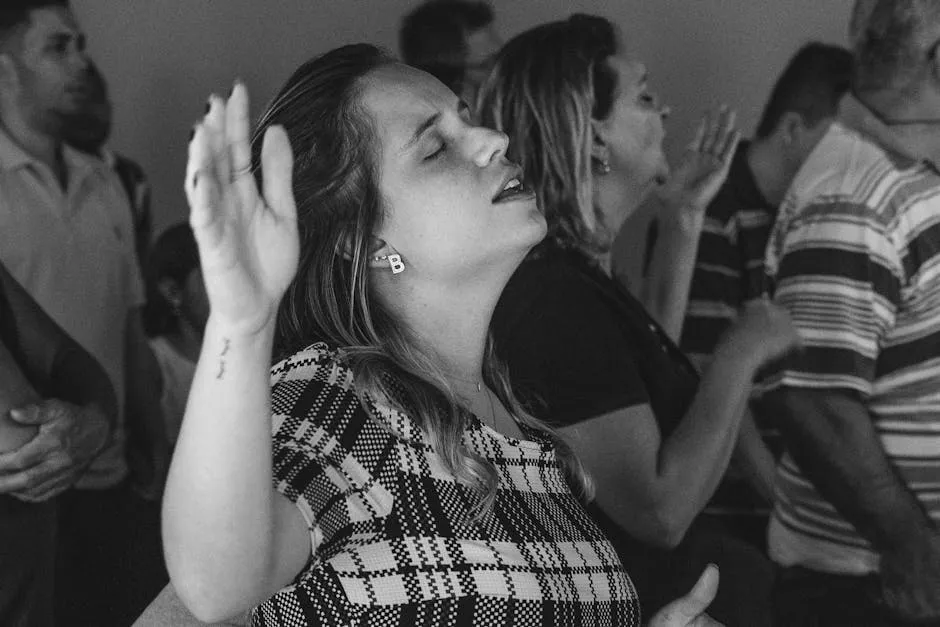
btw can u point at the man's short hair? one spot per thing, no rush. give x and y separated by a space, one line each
433 37
15 13
811 85
892 41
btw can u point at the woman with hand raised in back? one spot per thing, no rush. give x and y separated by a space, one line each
655 439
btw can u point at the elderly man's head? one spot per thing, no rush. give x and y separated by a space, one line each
895 44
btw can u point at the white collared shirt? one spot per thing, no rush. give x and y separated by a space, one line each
73 251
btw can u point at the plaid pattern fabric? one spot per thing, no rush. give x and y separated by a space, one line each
855 259
392 540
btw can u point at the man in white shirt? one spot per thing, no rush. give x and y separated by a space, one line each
66 236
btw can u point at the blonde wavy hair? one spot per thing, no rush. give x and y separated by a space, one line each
339 207
544 89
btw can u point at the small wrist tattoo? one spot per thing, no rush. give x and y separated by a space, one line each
226 344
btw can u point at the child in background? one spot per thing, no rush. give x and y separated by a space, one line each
175 317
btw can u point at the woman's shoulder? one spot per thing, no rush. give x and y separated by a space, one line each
561 286
318 361
316 384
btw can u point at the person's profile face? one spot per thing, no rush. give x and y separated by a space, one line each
451 207
633 130
51 63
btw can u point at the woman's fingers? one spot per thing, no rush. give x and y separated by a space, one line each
713 130
726 134
699 139
198 171
277 166
202 190
218 140
731 146
238 131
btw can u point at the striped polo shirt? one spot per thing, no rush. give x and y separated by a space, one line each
855 258
729 271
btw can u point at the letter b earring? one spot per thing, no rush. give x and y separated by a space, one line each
394 262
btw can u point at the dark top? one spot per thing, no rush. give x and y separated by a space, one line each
578 345
581 343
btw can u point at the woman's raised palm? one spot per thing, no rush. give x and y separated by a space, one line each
248 242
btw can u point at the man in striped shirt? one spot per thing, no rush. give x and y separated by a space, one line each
855 258
729 268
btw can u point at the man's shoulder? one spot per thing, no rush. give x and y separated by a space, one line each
849 167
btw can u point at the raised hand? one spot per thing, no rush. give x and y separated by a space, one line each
763 331
689 611
248 243
702 170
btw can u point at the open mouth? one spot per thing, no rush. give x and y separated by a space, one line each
514 189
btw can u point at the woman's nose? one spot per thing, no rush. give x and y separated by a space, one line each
490 145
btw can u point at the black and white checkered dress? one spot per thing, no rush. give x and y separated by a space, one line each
393 543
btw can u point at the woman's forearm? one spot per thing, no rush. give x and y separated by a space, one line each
218 512
694 458
665 291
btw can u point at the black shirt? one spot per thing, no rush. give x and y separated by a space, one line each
578 345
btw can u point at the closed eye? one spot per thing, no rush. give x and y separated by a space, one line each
437 153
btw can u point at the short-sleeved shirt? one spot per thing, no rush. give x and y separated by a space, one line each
137 188
393 541
855 259
729 271
73 251
578 345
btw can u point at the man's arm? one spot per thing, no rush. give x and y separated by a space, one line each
75 421
754 459
831 437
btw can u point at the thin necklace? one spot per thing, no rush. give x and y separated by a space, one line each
489 396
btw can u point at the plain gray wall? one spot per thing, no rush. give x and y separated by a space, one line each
163 57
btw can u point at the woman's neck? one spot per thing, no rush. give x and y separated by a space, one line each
451 322
617 197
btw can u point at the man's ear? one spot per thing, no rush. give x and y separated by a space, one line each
791 127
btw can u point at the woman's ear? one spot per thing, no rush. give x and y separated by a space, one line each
381 254
600 153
